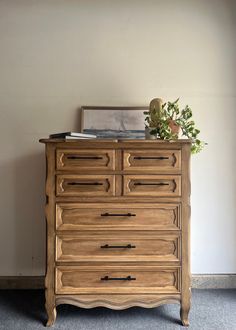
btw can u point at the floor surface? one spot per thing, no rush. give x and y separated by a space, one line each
211 310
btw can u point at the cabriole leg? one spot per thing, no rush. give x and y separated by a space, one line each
52 314
184 311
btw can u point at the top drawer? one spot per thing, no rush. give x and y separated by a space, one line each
152 160
98 159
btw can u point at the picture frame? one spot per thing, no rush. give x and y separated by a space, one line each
113 121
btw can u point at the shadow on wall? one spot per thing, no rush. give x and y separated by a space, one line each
30 225
22 204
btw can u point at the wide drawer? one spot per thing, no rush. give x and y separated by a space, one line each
75 159
125 246
81 216
85 185
152 185
152 160
117 279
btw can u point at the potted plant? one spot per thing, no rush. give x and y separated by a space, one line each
153 118
166 121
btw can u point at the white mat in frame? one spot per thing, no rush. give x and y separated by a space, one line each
113 122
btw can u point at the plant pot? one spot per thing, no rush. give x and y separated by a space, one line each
175 128
149 136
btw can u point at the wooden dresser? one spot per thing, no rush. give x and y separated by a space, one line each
118 219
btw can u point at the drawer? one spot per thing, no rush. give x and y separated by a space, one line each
72 159
82 216
152 185
152 160
85 185
116 279
118 247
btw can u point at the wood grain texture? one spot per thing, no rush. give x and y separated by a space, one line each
118 247
186 276
119 199
107 216
118 301
85 185
152 185
50 303
134 199
118 143
163 161
94 160
89 280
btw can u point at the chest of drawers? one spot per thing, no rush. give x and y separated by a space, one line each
118 219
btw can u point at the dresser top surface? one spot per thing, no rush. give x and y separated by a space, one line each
115 142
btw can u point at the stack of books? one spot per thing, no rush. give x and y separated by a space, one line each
72 136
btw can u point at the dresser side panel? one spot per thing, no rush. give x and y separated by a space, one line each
185 280
50 303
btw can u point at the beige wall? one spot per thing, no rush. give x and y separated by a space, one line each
58 55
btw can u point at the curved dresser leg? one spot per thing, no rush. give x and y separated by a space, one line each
52 314
184 311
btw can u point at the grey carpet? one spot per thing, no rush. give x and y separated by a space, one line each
211 310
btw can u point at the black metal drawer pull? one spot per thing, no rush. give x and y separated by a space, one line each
118 215
128 246
84 157
128 278
143 157
151 184
85 183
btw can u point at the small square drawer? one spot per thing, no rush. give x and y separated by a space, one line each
117 279
85 185
152 160
118 247
97 159
152 185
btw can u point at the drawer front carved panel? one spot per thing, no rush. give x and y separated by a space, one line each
152 160
112 280
117 247
77 216
152 185
85 159
85 185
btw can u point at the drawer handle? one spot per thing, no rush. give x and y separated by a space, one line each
84 157
128 246
151 184
85 183
118 215
128 278
143 157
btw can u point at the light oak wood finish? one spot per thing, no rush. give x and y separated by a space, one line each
118 247
162 161
85 159
118 302
50 302
85 185
186 279
120 279
152 185
118 218
103 216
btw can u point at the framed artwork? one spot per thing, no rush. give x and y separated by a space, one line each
113 122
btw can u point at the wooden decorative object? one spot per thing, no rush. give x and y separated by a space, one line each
118 222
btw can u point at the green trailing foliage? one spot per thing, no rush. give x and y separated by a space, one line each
159 122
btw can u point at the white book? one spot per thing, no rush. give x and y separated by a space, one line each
69 137
74 134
